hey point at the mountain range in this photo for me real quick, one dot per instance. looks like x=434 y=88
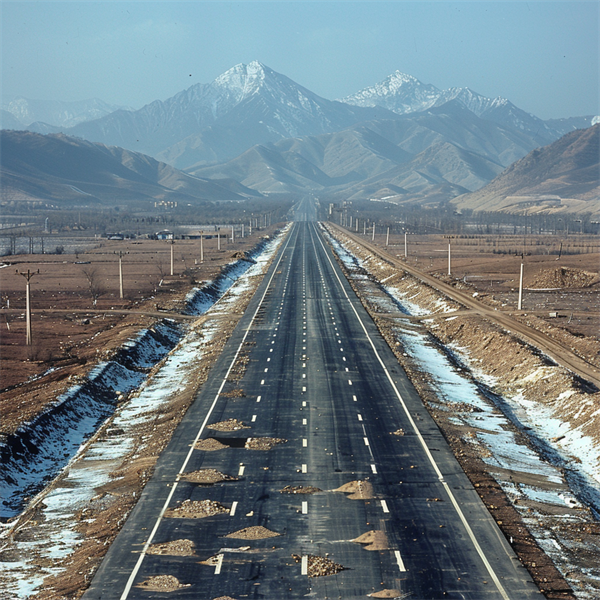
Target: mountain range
x=562 y=175
x=68 y=172
x=400 y=139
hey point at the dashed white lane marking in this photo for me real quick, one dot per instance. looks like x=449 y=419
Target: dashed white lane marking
x=233 y=507
x=258 y=398
x=347 y=369
x=304 y=364
x=262 y=382
x=269 y=359
x=304 y=507
x=304 y=422
x=359 y=417
x=219 y=564
x=374 y=469
x=267 y=370
x=254 y=418
x=366 y=440
x=304 y=565
x=349 y=381
x=271 y=350
x=344 y=358
x=303 y=375
x=241 y=470
x=384 y=506
x=353 y=398
x=303 y=402
x=303 y=389
x=304 y=468
x=400 y=561
x=304 y=442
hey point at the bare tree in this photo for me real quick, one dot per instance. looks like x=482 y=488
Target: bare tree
x=95 y=284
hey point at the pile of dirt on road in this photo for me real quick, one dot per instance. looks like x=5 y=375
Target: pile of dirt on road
x=162 y=583
x=564 y=277
x=174 y=548
x=196 y=509
x=207 y=476
x=236 y=393
x=256 y=532
x=229 y=425
x=320 y=566
x=300 y=489
x=387 y=594
x=263 y=443
x=357 y=490
x=210 y=445
x=373 y=540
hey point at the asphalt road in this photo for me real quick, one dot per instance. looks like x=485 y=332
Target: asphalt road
x=320 y=376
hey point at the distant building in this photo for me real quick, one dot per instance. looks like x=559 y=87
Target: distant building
x=164 y=235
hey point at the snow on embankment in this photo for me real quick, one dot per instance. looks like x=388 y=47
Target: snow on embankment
x=38 y=451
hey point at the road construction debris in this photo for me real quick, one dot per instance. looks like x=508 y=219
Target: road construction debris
x=373 y=540
x=319 y=566
x=235 y=393
x=388 y=594
x=196 y=509
x=263 y=443
x=398 y=432
x=207 y=476
x=256 y=532
x=224 y=598
x=174 y=548
x=300 y=489
x=210 y=445
x=228 y=425
x=357 y=490
x=162 y=583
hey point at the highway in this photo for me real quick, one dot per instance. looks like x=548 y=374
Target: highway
x=319 y=375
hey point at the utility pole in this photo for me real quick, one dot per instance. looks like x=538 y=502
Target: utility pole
x=365 y=228
x=387 y=237
x=172 y=252
x=449 y=255
x=120 y=274
x=219 y=240
x=520 y=304
x=405 y=246
x=373 y=236
x=356 y=224
x=28 y=277
x=201 y=246
x=232 y=234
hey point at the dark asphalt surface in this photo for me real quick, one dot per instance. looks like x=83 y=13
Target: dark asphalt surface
x=320 y=376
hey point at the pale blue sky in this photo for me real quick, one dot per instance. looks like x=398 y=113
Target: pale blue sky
x=543 y=56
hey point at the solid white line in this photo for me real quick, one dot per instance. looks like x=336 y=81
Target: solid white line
x=142 y=555
x=384 y=506
x=400 y=561
x=233 y=507
x=419 y=435
x=219 y=564
x=304 y=565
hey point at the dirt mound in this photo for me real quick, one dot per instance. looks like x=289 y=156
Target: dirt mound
x=564 y=277
x=319 y=566
x=357 y=490
x=196 y=509
x=174 y=548
x=300 y=489
x=264 y=443
x=228 y=425
x=207 y=476
x=253 y=533
x=210 y=445
x=373 y=540
x=162 y=583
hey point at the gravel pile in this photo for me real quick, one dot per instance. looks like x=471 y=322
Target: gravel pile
x=564 y=277
x=300 y=489
x=264 y=443
x=373 y=540
x=210 y=445
x=320 y=566
x=253 y=533
x=174 y=548
x=228 y=425
x=197 y=509
x=357 y=490
x=207 y=476
x=162 y=583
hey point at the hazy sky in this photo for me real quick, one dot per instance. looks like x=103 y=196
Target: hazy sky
x=541 y=55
